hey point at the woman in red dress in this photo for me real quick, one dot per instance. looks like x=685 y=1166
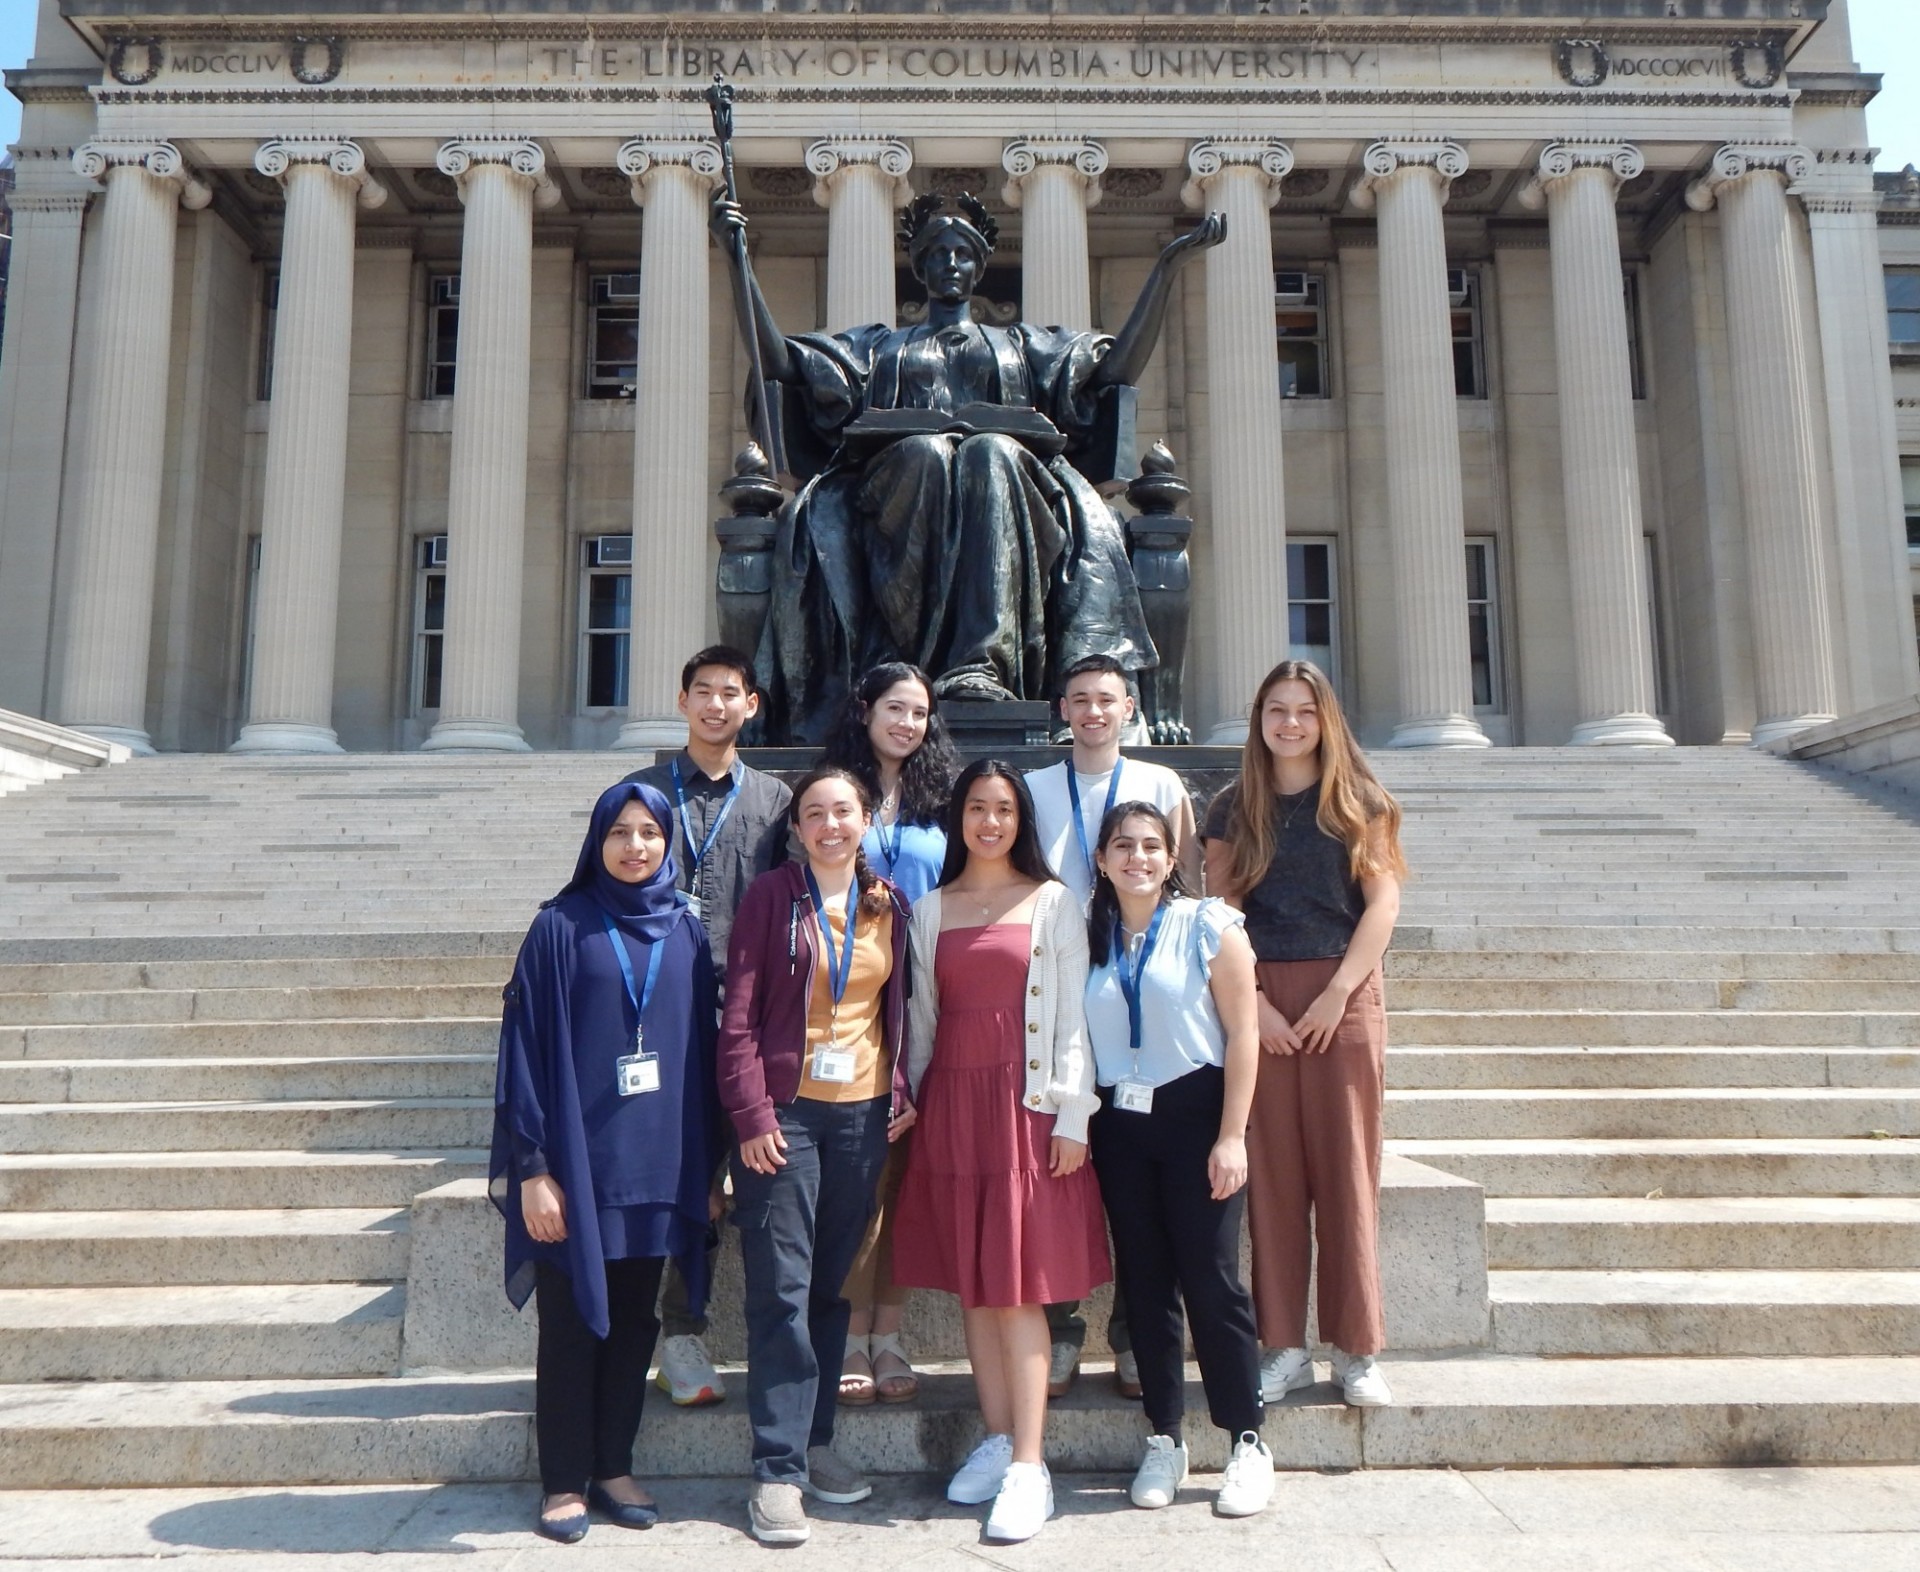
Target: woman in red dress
x=998 y=1205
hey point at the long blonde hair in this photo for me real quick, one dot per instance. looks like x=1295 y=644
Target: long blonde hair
x=1352 y=800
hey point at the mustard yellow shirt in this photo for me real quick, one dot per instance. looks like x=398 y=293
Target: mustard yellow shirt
x=860 y=1025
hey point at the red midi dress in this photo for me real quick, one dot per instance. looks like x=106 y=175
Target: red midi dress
x=979 y=1213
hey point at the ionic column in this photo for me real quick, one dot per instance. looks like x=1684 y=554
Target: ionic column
x=1053 y=181
x=1773 y=427
x=1600 y=464
x=671 y=181
x=1240 y=177
x=500 y=178
x=116 y=517
x=1874 y=593
x=1406 y=182
x=860 y=180
x=296 y=607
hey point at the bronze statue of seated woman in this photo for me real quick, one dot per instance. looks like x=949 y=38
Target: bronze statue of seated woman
x=945 y=522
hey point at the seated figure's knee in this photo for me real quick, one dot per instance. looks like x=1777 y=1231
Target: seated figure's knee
x=990 y=450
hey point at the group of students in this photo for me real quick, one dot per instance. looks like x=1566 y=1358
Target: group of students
x=951 y=1029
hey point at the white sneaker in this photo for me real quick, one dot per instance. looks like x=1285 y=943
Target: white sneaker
x=1161 y=1473
x=984 y=1471
x=1361 y=1383
x=1284 y=1370
x=687 y=1374
x=1248 y=1485
x=1024 y=1504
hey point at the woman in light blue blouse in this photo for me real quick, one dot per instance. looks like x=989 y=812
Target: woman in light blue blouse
x=893 y=739
x=1175 y=1034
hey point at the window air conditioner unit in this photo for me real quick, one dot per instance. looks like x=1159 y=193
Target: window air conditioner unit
x=613 y=551
x=434 y=554
x=1291 y=289
x=1457 y=286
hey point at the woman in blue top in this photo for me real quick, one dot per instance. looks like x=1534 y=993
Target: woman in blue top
x=606 y=1131
x=1174 y=1028
x=891 y=737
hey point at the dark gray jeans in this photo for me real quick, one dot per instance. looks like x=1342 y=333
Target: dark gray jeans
x=800 y=1229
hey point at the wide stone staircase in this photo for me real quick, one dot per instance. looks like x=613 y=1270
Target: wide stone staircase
x=1663 y=1009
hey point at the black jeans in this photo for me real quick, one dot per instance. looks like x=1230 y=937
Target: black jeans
x=587 y=1392
x=1173 y=1241
x=800 y=1229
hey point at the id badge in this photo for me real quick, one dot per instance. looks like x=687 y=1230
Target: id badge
x=1131 y=1096
x=833 y=1063
x=637 y=1073
x=693 y=905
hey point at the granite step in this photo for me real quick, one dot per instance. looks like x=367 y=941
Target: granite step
x=301 y=1003
x=317 y=1125
x=1658 y=1028
x=1682 y=1233
x=1494 y=1069
x=337 y=971
x=237 y=1180
x=245 y=1080
x=1713 y=1113
x=1546 y=1168
x=1540 y=993
x=201 y=1333
x=1776 y=1314
x=1485 y=1411
x=1605 y=964
x=74 y=1249
x=252 y=1039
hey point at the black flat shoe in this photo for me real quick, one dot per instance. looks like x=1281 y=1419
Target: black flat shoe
x=628 y=1514
x=568 y=1530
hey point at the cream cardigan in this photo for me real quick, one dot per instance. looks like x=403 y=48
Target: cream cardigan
x=1059 y=1064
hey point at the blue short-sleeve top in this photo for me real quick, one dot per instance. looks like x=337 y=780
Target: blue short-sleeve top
x=1181 y=1030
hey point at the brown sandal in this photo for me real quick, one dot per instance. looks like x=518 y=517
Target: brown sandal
x=857 y=1389
x=894 y=1386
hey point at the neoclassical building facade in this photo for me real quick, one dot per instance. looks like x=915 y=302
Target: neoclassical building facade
x=369 y=378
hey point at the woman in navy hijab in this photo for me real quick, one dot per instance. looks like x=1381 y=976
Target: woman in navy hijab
x=606 y=1133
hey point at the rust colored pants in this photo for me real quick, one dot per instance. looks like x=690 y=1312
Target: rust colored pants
x=1313 y=1151
x=870 y=1282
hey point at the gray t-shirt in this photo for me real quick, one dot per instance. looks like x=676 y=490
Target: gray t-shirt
x=1309 y=903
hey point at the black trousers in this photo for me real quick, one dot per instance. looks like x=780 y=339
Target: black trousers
x=1171 y=1242
x=587 y=1392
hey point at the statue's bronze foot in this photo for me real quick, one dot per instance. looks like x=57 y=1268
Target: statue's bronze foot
x=971 y=687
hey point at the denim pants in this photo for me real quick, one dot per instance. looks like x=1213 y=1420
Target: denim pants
x=800 y=1229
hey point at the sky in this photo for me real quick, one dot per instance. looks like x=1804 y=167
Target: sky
x=1885 y=39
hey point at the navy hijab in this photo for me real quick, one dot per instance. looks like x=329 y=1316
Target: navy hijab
x=558 y=1033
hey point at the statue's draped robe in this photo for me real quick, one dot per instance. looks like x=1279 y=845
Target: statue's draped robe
x=970 y=557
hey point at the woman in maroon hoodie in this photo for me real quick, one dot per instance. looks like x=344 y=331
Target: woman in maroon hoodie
x=813 y=1077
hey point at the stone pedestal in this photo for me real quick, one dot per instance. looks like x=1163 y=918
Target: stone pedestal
x=487 y=493
x=116 y=507
x=1054 y=180
x=1600 y=465
x=671 y=181
x=1773 y=425
x=297 y=603
x=860 y=180
x=1240 y=177
x=1406 y=183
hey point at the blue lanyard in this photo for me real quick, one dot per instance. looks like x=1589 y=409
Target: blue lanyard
x=637 y=1000
x=840 y=968
x=695 y=858
x=1079 y=824
x=890 y=854
x=1132 y=973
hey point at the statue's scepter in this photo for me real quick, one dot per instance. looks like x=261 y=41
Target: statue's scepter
x=720 y=101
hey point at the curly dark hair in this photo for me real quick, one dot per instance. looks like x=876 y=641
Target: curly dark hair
x=926 y=779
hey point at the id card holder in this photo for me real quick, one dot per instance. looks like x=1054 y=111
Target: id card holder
x=637 y=1073
x=833 y=1064
x=693 y=905
x=1131 y=1096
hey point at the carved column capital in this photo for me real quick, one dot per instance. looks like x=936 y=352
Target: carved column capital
x=830 y=156
x=162 y=160
x=644 y=157
x=345 y=159
x=1024 y=156
x=1562 y=160
x=525 y=157
x=1736 y=160
x=1388 y=157
x=1840 y=184
x=1212 y=157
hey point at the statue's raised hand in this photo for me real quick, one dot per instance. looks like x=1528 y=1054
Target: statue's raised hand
x=1206 y=234
x=726 y=220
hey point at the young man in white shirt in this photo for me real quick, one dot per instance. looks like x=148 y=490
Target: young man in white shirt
x=1069 y=801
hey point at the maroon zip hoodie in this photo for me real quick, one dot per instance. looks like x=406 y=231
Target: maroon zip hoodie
x=763 y=1024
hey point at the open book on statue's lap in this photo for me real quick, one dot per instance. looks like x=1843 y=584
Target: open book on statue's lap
x=881 y=428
